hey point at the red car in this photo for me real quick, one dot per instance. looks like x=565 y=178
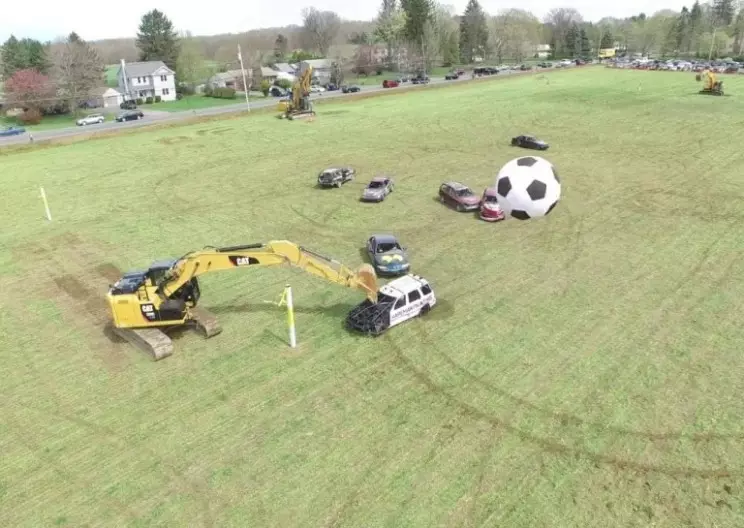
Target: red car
x=490 y=210
x=459 y=196
x=387 y=83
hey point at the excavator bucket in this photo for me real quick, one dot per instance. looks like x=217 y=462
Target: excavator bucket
x=368 y=277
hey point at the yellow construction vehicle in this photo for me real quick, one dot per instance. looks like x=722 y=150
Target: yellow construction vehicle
x=299 y=106
x=144 y=303
x=711 y=85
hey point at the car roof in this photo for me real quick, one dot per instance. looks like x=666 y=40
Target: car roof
x=490 y=191
x=456 y=185
x=380 y=178
x=385 y=238
x=402 y=285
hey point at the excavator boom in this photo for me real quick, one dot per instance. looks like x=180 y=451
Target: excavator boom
x=166 y=294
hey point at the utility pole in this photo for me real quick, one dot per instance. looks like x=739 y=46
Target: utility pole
x=245 y=84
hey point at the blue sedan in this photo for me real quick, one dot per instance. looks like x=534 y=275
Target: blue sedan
x=12 y=131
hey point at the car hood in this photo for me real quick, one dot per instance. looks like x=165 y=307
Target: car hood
x=392 y=258
x=329 y=176
x=374 y=192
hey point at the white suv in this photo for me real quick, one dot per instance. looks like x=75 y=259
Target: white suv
x=398 y=301
x=91 y=119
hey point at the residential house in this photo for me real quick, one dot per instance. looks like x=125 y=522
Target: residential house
x=147 y=79
x=543 y=51
x=285 y=68
x=231 y=79
x=321 y=69
x=105 y=97
x=269 y=74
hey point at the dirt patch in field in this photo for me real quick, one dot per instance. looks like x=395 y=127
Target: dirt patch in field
x=216 y=131
x=109 y=271
x=174 y=140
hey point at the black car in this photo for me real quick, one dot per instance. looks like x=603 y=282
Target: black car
x=131 y=115
x=331 y=87
x=420 y=79
x=350 y=89
x=451 y=76
x=335 y=176
x=530 y=142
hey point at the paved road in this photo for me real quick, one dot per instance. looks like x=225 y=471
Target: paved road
x=169 y=117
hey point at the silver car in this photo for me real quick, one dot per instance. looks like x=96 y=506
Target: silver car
x=378 y=189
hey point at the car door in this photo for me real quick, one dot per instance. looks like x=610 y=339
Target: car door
x=444 y=193
x=371 y=248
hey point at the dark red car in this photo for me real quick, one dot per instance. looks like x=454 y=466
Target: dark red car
x=388 y=83
x=459 y=196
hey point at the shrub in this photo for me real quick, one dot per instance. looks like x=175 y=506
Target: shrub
x=208 y=91
x=32 y=116
x=139 y=101
x=283 y=83
x=179 y=96
x=158 y=98
x=265 y=87
x=148 y=100
x=222 y=93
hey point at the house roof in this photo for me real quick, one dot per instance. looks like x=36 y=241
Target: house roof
x=267 y=72
x=284 y=67
x=143 y=69
x=231 y=75
x=317 y=63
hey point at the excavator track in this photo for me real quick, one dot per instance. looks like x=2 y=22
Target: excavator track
x=149 y=340
x=205 y=321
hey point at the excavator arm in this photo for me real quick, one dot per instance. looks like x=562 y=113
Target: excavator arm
x=274 y=253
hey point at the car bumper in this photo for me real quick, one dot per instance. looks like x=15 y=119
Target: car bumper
x=370 y=198
x=328 y=183
x=465 y=207
x=490 y=216
x=392 y=271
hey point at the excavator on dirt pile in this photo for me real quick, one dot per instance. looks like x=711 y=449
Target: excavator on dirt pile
x=300 y=105
x=711 y=85
x=144 y=303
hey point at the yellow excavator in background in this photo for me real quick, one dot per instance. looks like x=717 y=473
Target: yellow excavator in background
x=299 y=105
x=711 y=85
x=166 y=294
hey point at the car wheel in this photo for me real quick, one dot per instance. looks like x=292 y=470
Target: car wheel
x=424 y=310
x=459 y=208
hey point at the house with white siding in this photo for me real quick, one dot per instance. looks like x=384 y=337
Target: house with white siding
x=139 y=80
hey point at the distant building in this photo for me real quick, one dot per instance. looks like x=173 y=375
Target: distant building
x=230 y=79
x=543 y=51
x=139 y=80
x=321 y=69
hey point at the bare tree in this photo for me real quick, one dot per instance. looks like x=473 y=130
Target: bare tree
x=320 y=29
x=518 y=33
x=77 y=71
x=191 y=65
x=560 y=20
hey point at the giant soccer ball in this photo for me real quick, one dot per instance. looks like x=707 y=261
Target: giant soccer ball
x=528 y=187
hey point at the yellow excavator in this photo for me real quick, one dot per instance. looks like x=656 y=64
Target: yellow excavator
x=299 y=106
x=144 y=303
x=711 y=85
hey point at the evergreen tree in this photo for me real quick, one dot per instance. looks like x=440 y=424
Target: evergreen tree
x=157 y=40
x=23 y=55
x=473 y=32
x=573 y=42
x=281 y=47
x=607 y=41
x=723 y=13
x=418 y=13
x=585 y=45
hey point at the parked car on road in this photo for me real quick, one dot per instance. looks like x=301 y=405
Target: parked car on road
x=91 y=119
x=387 y=83
x=350 y=89
x=459 y=196
x=451 y=76
x=12 y=131
x=130 y=115
x=420 y=79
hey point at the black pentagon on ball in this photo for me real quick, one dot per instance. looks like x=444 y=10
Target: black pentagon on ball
x=536 y=190
x=527 y=161
x=551 y=207
x=555 y=174
x=521 y=215
x=504 y=186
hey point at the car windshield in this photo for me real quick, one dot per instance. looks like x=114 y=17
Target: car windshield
x=384 y=298
x=376 y=184
x=384 y=247
x=490 y=199
x=464 y=192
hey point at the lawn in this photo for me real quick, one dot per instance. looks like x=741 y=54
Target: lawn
x=581 y=370
x=47 y=123
x=194 y=102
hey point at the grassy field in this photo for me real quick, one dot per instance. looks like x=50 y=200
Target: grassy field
x=582 y=370
x=194 y=102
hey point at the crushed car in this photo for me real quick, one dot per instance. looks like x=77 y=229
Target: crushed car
x=490 y=210
x=398 y=301
x=335 y=176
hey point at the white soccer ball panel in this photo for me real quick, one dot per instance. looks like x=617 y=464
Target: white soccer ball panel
x=528 y=187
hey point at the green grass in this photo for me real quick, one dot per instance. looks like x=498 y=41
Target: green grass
x=194 y=102
x=580 y=370
x=47 y=123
